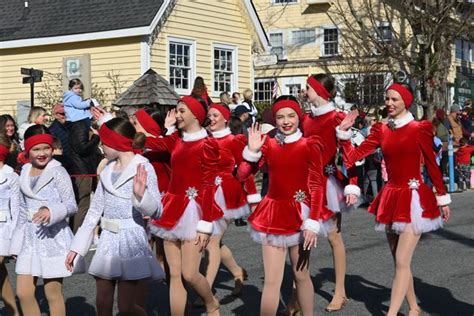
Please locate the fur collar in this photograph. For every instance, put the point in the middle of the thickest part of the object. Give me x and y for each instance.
(46, 177)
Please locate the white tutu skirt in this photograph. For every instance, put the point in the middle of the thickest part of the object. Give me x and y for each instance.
(418, 223)
(230, 213)
(281, 241)
(327, 227)
(336, 201)
(185, 228)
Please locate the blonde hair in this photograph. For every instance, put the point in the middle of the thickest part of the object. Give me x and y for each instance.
(35, 112)
(247, 94)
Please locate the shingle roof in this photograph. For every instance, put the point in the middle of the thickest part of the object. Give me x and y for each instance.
(46, 18)
(150, 89)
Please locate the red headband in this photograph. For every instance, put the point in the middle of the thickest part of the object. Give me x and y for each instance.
(4, 151)
(114, 140)
(148, 123)
(319, 88)
(406, 95)
(287, 104)
(34, 140)
(222, 109)
(196, 107)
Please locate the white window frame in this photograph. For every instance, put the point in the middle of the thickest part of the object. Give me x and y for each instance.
(192, 59)
(273, 2)
(264, 80)
(283, 54)
(235, 67)
(327, 27)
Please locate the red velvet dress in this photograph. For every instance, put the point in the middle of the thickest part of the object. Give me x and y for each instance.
(188, 205)
(230, 195)
(323, 124)
(295, 190)
(161, 164)
(405, 198)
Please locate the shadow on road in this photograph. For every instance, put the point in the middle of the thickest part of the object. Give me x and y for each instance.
(357, 289)
(436, 300)
(78, 306)
(452, 236)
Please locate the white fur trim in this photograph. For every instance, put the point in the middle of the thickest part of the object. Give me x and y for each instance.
(204, 227)
(352, 189)
(170, 130)
(251, 156)
(147, 206)
(82, 241)
(443, 199)
(4, 247)
(343, 135)
(321, 110)
(312, 225)
(58, 213)
(222, 133)
(192, 137)
(296, 136)
(107, 117)
(404, 120)
(254, 198)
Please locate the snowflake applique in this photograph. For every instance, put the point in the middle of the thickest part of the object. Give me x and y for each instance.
(414, 184)
(191, 193)
(330, 169)
(300, 196)
(218, 180)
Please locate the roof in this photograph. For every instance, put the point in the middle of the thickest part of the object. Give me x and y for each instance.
(67, 17)
(150, 89)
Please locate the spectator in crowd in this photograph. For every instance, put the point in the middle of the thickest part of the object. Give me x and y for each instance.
(463, 164)
(37, 115)
(60, 129)
(468, 103)
(243, 114)
(83, 142)
(225, 98)
(236, 101)
(75, 108)
(8, 127)
(58, 154)
(248, 95)
(442, 132)
(455, 123)
(200, 91)
(466, 122)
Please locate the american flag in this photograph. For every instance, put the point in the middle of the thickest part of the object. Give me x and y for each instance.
(275, 90)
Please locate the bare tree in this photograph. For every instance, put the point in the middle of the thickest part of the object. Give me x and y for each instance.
(421, 40)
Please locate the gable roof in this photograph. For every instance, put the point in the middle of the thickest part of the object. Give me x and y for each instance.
(51, 22)
(148, 90)
(32, 23)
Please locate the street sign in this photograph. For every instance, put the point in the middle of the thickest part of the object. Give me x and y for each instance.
(33, 75)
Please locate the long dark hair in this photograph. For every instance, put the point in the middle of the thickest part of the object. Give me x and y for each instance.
(36, 129)
(3, 127)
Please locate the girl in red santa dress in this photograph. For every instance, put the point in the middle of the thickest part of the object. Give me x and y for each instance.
(285, 221)
(190, 215)
(337, 198)
(405, 207)
(231, 196)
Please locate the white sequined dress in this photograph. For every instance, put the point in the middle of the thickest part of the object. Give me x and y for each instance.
(9, 207)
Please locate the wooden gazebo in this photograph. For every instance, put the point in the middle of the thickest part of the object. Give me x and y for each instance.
(150, 89)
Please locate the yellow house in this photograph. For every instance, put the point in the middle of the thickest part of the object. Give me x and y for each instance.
(311, 36)
(179, 39)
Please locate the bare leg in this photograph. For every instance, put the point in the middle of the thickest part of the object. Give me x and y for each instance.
(7, 293)
(192, 256)
(239, 273)
(304, 285)
(178, 294)
(405, 248)
(214, 255)
(274, 267)
(104, 299)
(339, 260)
(160, 255)
(411, 297)
(127, 299)
(53, 289)
(25, 289)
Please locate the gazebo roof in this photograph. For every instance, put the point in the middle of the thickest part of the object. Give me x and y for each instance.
(150, 89)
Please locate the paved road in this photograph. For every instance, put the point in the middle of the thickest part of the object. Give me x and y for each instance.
(443, 267)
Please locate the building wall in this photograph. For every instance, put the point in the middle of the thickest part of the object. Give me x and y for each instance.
(122, 55)
(207, 23)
